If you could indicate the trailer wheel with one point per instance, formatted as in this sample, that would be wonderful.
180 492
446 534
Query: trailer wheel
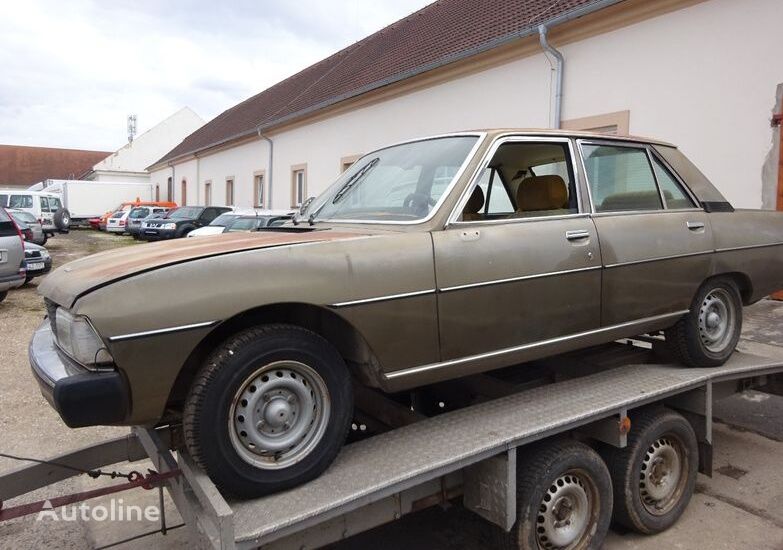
655 475
270 409
564 499
708 334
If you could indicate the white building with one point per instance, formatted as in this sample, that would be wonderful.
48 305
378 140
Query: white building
131 161
703 74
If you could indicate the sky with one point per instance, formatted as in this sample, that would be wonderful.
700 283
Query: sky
72 71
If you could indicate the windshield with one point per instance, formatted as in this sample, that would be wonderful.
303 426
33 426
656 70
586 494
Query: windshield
400 183
224 219
24 217
138 213
245 224
185 213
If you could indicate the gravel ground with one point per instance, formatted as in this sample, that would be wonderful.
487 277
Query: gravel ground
740 507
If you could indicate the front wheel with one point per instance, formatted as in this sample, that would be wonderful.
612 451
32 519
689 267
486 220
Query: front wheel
708 334
269 410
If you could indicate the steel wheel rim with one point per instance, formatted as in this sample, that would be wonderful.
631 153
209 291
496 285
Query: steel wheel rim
279 414
663 476
567 511
717 320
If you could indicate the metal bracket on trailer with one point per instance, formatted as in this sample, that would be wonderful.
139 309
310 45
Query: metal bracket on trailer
490 489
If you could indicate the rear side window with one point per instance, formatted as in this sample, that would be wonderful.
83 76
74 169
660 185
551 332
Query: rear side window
20 201
620 178
673 193
7 226
54 204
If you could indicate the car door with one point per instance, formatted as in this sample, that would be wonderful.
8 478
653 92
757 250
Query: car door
206 217
511 284
656 243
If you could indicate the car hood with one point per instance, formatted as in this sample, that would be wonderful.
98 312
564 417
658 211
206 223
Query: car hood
67 283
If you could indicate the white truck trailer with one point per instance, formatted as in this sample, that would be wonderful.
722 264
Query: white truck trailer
91 199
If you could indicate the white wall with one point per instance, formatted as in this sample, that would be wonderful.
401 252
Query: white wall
702 77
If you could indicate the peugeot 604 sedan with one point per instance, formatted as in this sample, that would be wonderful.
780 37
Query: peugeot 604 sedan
425 261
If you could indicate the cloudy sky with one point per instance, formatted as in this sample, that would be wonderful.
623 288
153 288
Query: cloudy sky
72 71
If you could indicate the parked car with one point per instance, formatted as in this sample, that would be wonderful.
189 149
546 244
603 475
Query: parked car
222 223
255 223
12 270
425 261
101 222
179 222
140 214
28 222
47 208
37 261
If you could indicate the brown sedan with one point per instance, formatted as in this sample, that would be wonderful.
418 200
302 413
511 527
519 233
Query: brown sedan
425 261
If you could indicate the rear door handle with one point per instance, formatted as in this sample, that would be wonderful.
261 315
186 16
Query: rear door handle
695 226
577 234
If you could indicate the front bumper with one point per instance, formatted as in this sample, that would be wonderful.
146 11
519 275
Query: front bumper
38 272
81 397
154 234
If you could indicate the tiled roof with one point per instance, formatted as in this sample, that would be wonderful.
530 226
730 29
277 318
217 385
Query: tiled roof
442 32
24 166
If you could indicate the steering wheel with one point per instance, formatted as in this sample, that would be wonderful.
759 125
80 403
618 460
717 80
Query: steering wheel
418 203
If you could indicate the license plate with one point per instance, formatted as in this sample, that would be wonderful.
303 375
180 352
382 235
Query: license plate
35 266
148 232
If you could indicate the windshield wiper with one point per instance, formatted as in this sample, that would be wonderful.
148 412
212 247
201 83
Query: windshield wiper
354 180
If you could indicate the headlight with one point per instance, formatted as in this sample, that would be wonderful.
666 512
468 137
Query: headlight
169 226
79 340
44 255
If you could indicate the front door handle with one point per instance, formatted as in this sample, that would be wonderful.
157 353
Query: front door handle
577 234
695 226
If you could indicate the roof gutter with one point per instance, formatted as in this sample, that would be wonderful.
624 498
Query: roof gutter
268 182
557 101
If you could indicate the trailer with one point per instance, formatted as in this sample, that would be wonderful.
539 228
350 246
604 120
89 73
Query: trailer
86 199
500 453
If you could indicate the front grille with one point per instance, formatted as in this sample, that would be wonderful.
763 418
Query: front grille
32 253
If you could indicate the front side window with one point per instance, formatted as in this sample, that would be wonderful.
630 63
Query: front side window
399 183
20 201
525 179
620 178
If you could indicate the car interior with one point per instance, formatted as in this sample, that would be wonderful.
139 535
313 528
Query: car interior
524 180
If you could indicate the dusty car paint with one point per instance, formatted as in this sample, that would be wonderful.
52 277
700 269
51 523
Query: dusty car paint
428 301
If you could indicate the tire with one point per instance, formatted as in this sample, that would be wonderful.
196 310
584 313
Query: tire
184 232
696 341
550 477
3 294
284 361
62 220
656 437
27 280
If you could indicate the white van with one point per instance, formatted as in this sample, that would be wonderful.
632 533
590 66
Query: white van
40 204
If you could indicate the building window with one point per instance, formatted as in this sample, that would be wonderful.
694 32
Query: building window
610 123
208 193
230 192
298 185
157 192
170 189
184 189
258 189
347 162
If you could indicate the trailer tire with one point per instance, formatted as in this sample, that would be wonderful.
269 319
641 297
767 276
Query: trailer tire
270 409
645 499
707 335
62 220
564 499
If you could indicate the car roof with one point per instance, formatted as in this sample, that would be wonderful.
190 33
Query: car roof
545 132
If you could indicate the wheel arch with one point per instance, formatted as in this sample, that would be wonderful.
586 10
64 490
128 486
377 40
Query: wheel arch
744 285
349 342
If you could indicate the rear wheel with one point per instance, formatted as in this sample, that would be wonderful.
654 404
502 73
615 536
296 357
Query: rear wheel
655 474
564 499
708 334
270 409
62 220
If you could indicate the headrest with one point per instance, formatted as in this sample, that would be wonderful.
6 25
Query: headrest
632 200
542 193
475 202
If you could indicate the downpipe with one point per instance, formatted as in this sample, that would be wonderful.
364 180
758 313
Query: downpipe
556 115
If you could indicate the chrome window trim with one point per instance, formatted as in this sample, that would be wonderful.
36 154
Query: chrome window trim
168 330
500 140
656 156
520 278
531 345
383 298
446 192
